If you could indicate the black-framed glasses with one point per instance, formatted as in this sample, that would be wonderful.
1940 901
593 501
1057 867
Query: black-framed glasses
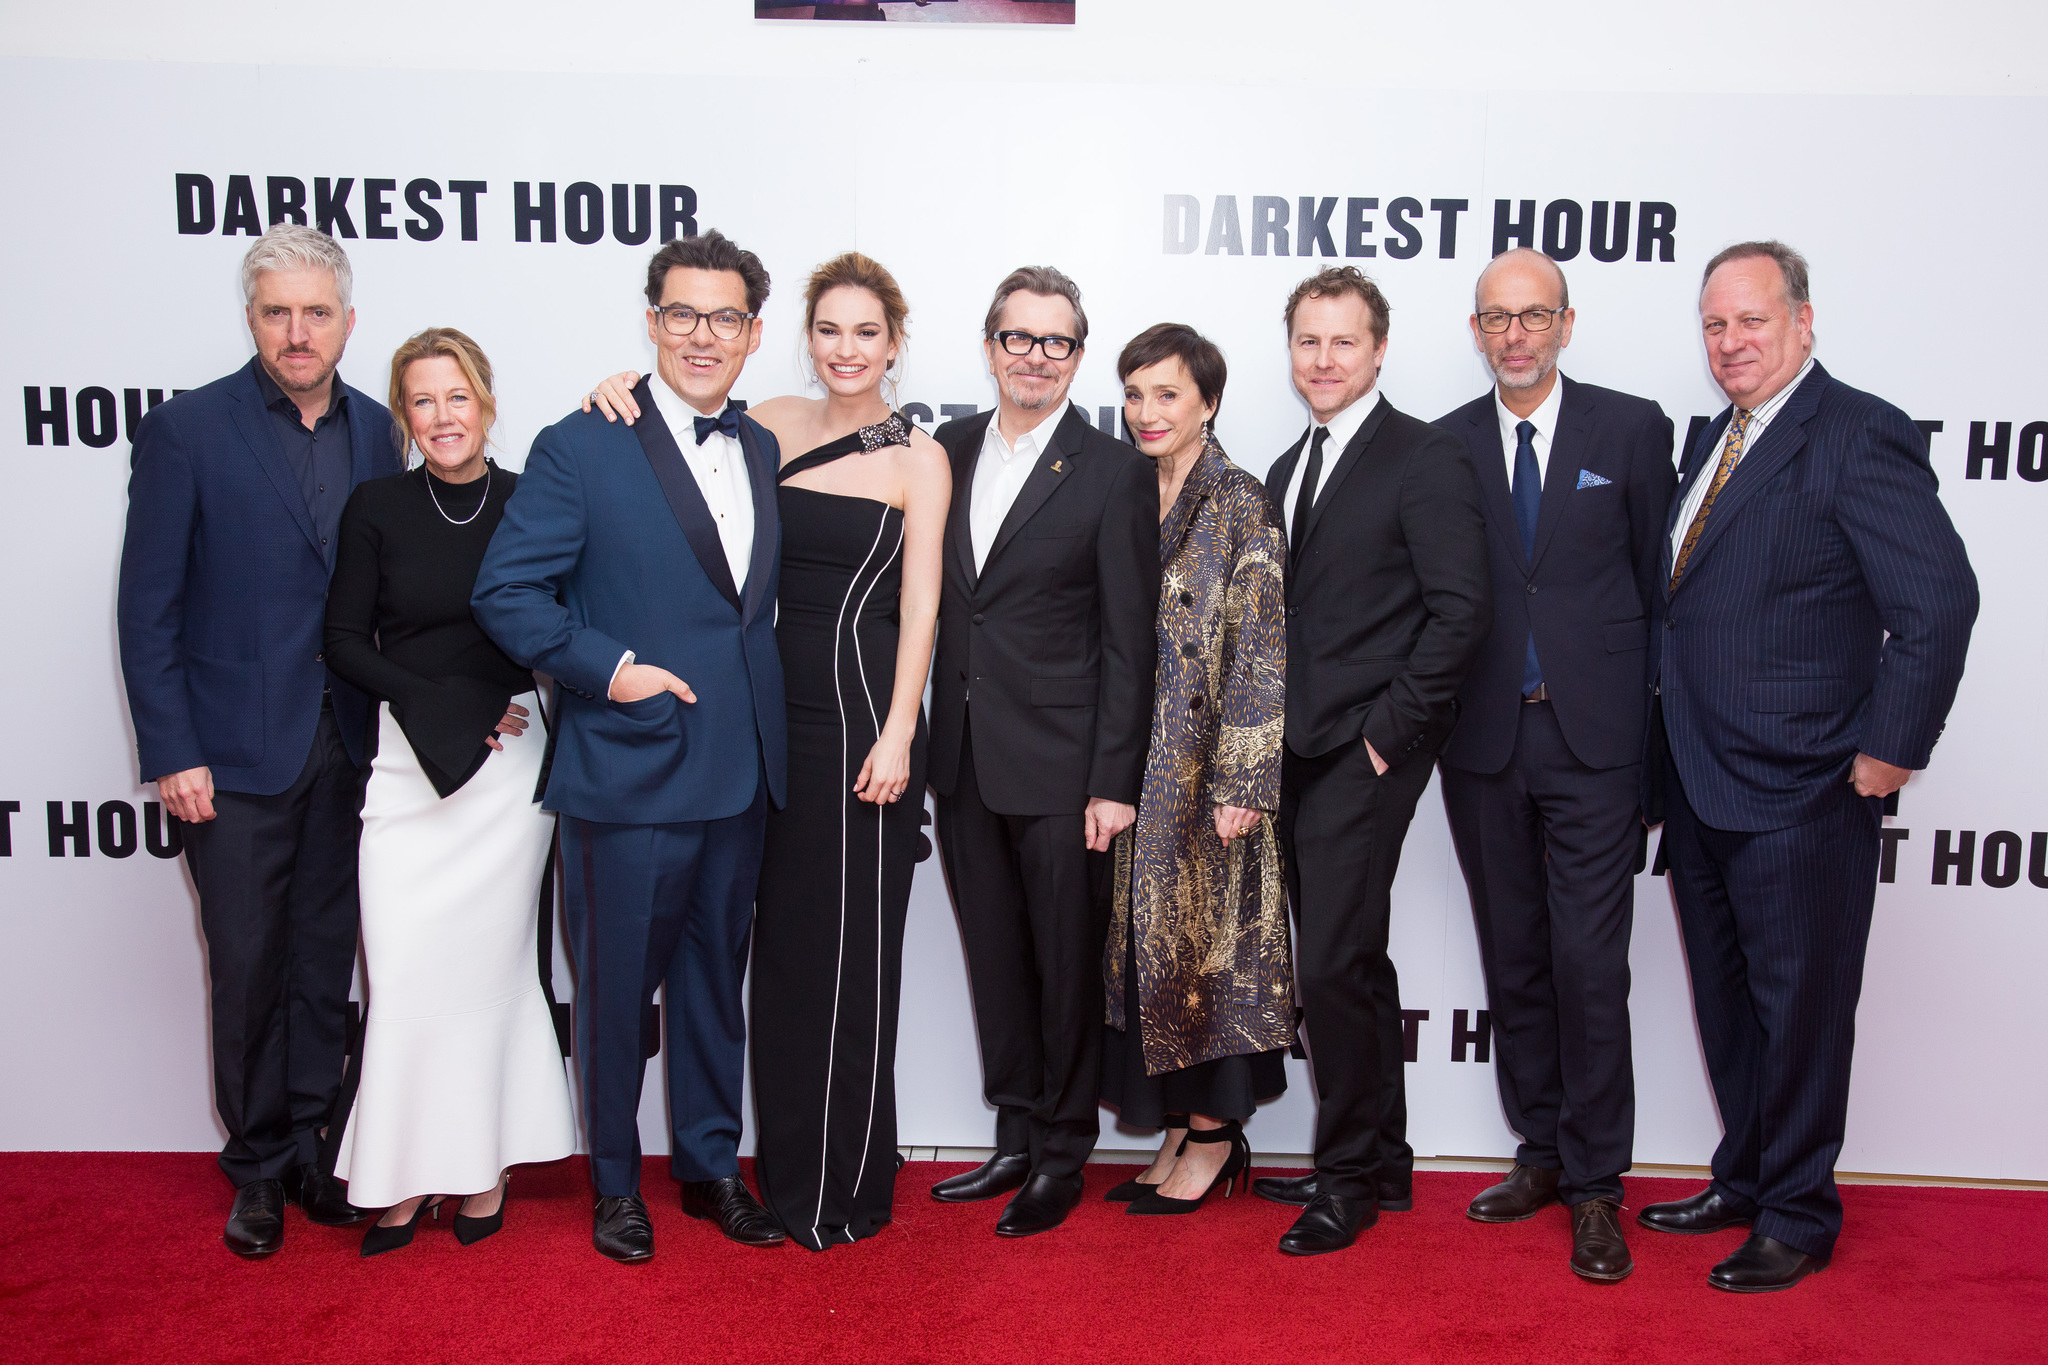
680 320
1020 343
1532 319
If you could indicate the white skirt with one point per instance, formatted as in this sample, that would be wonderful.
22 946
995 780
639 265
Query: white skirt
461 1072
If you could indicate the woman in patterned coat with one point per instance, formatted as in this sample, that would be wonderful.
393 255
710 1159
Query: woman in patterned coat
1199 969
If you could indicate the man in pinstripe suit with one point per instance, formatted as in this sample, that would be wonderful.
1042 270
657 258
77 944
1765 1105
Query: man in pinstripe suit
1806 646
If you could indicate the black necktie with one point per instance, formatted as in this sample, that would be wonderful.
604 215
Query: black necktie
1306 498
727 421
1528 497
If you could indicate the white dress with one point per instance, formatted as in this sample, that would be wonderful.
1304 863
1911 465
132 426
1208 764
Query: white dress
461 1072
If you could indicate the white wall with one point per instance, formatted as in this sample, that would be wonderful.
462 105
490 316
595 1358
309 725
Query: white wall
1921 215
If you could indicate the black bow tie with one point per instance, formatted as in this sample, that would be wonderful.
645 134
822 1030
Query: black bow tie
727 421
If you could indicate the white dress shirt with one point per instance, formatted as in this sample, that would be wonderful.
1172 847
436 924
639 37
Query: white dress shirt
999 476
1544 419
1760 417
720 468
1342 427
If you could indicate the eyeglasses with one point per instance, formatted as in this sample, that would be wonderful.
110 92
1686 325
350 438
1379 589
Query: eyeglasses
1532 320
1020 343
680 320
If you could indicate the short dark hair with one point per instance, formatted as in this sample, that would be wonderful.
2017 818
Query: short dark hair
1036 279
1791 265
712 251
1342 279
1168 340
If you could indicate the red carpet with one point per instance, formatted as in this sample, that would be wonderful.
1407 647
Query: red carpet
117 1257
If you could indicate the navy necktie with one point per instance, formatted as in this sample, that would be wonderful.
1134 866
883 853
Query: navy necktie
1528 496
727 421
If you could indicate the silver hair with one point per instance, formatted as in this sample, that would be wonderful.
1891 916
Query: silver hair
1791 265
291 246
1036 279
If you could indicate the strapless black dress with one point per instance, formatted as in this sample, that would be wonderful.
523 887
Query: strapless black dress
836 870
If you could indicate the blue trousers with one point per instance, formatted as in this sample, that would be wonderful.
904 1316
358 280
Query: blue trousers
1775 925
670 906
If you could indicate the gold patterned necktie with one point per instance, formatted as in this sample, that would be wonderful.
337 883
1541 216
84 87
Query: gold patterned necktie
1737 430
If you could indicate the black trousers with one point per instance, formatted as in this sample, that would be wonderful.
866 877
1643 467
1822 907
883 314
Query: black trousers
1341 828
1775 927
276 877
1034 914
1548 846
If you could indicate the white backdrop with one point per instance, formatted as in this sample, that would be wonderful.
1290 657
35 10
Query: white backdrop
1917 213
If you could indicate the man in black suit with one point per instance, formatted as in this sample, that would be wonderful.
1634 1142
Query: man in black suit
1041 713
1813 612
1542 778
1387 603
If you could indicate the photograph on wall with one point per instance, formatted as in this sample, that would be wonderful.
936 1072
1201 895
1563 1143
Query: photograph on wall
924 11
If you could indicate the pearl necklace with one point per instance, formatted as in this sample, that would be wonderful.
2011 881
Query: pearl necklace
479 502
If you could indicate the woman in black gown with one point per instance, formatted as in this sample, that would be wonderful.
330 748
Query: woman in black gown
863 511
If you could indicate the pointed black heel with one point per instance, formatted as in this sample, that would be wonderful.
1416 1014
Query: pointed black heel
469 1231
1237 1169
1138 1189
380 1239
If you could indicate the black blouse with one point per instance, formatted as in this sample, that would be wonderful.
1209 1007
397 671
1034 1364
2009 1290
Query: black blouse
398 619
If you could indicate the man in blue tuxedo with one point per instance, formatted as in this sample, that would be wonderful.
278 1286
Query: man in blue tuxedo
629 560
1811 622
1542 777
234 501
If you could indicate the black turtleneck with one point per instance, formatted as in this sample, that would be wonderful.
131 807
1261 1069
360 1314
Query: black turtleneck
398 618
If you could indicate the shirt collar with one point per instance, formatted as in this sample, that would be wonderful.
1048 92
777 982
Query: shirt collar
273 394
1345 424
677 413
1038 436
1544 419
1766 410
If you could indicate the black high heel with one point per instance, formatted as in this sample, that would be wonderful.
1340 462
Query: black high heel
380 1239
469 1231
1138 1189
1237 1164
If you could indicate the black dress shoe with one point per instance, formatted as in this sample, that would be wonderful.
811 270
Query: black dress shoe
1299 1189
1329 1223
1001 1173
1043 1204
620 1229
1706 1211
1599 1252
1763 1264
256 1224
1526 1192
738 1214
322 1198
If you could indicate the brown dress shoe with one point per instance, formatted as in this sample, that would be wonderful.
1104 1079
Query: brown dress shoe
1526 1191
1598 1250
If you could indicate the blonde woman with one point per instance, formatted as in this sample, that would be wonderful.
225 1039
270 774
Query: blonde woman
461 1074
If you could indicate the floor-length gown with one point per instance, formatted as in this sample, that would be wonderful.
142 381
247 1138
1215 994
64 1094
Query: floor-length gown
835 876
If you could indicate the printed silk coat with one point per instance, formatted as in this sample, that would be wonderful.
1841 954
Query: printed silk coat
1214 966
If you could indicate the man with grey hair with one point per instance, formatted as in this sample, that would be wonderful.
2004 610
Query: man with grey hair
1812 615
1041 716
234 500
1541 776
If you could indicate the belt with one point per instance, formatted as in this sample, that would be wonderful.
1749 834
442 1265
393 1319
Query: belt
1542 693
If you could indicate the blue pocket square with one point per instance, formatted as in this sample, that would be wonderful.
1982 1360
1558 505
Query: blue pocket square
1588 479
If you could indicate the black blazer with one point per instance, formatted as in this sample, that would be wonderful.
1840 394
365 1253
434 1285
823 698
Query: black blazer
1586 595
1826 610
1388 601
1054 639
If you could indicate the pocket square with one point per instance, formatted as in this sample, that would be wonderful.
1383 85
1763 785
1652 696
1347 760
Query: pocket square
1588 479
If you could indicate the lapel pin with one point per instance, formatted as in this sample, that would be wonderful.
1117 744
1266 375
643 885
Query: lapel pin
1057 467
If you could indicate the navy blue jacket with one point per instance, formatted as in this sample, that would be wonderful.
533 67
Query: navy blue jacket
223 590
1586 595
1826 610
607 545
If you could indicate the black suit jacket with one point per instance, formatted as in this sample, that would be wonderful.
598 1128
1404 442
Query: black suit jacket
1388 600
1826 610
1586 594
1054 639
